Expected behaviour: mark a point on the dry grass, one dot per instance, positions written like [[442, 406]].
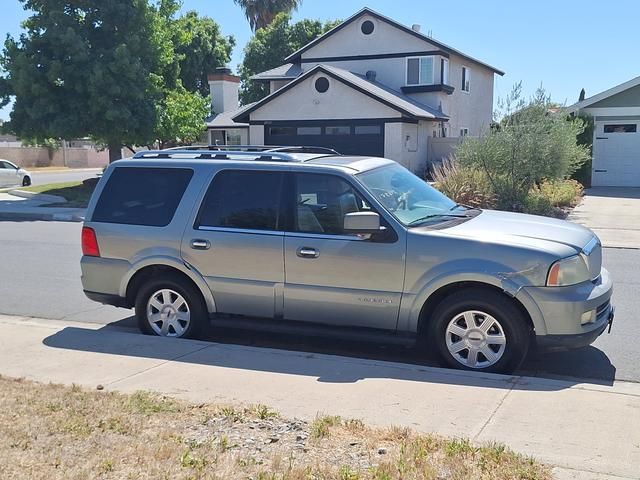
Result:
[[54, 432]]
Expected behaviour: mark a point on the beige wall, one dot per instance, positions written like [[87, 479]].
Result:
[[40, 157], [303, 102]]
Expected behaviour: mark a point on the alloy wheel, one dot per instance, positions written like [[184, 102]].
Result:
[[168, 313], [475, 339]]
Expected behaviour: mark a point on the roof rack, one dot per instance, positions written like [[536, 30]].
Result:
[[262, 148], [218, 155]]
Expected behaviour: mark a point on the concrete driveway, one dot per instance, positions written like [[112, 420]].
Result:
[[613, 213]]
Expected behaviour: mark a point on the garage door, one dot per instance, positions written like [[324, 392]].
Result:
[[616, 154], [349, 138]]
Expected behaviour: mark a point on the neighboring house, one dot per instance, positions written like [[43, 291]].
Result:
[[369, 86], [616, 137]]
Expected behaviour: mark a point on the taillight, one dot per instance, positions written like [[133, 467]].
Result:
[[90, 242]]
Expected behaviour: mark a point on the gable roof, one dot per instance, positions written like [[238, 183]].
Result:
[[389, 97], [634, 82], [283, 72], [295, 56]]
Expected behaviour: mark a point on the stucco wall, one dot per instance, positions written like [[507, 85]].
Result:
[[40, 157], [303, 102], [351, 41], [407, 144], [256, 135]]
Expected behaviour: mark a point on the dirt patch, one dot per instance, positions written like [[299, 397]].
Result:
[[55, 432]]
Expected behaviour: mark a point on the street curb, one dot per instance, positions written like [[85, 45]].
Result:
[[37, 196], [48, 217]]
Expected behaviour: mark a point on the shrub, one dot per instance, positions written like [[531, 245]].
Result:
[[467, 186], [565, 193], [532, 142]]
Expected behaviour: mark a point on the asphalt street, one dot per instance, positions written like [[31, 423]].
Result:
[[45, 177], [39, 267]]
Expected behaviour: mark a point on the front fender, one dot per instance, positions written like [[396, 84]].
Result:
[[173, 263], [461, 270]]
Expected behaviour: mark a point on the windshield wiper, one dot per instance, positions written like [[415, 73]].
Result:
[[433, 215], [460, 205]]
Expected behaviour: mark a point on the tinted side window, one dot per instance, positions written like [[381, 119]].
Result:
[[322, 201], [242, 199], [142, 196]]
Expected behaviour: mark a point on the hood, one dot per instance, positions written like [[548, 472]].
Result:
[[549, 234]]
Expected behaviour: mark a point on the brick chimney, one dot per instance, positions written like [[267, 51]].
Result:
[[224, 90]]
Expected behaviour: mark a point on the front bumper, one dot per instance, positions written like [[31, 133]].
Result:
[[558, 311]]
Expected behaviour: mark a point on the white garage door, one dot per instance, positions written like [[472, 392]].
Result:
[[616, 154]]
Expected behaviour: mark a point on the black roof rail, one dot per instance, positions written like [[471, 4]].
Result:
[[262, 148], [219, 155]]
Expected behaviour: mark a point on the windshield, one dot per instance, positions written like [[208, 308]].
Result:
[[409, 198]]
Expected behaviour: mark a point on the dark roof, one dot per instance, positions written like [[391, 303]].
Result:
[[225, 119], [288, 70], [391, 98], [295, 56]]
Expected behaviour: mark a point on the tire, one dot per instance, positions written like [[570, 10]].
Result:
[[26, 181], [499, 340], [168, 292]]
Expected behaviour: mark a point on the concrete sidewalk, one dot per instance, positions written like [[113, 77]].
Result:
[[588, 431], [18, 208], [613, 213]]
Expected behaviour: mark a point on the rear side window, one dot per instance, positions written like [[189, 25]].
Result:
[[242, 199], [142, 196]]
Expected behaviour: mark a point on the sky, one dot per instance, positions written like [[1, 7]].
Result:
[[563, 45]]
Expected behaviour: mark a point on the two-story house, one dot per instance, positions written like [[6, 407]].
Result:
[[369, 86]]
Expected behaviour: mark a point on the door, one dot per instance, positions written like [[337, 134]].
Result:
[[7, 172], [349, 137], [332, 277], [236, 242], [616, 154]]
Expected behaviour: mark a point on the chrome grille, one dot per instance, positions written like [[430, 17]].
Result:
[[592, 254]]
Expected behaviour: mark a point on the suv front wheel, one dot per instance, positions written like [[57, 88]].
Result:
[[480, 330], [170, 307]]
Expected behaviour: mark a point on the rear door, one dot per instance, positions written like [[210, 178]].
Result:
[[236, 242], [333, 277]]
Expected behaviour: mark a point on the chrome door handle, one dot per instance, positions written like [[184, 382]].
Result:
[[307, 252], [199, 244]]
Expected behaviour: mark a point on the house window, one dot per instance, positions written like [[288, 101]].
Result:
[[234, 137], [464, 132], [420, 71], [367, 129], [322, 84], [338, 130], [309, 130], [621, 128], [275, 131], [466, 84], [444, 71]]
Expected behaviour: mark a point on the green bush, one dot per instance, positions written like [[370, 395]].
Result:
[[532, 142], [565, 193]]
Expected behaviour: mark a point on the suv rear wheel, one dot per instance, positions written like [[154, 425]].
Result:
[[170, 307], [480, 330]]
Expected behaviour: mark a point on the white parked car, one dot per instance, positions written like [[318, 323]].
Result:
[[11, 175]]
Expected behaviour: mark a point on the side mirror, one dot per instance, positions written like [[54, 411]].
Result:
[[362, 222]]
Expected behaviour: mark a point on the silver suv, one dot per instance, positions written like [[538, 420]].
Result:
[[187, 235]]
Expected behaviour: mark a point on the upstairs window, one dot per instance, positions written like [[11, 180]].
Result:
[[420, 71], [444, 71], [466, 84]]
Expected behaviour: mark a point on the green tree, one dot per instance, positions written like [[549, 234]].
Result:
[[531, 143], [270, 46], [86, 69], [261, 13], [180, 117]]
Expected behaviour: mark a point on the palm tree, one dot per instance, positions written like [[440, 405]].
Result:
[[261, 13]]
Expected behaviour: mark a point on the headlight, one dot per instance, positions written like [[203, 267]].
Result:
[[568, 271]]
